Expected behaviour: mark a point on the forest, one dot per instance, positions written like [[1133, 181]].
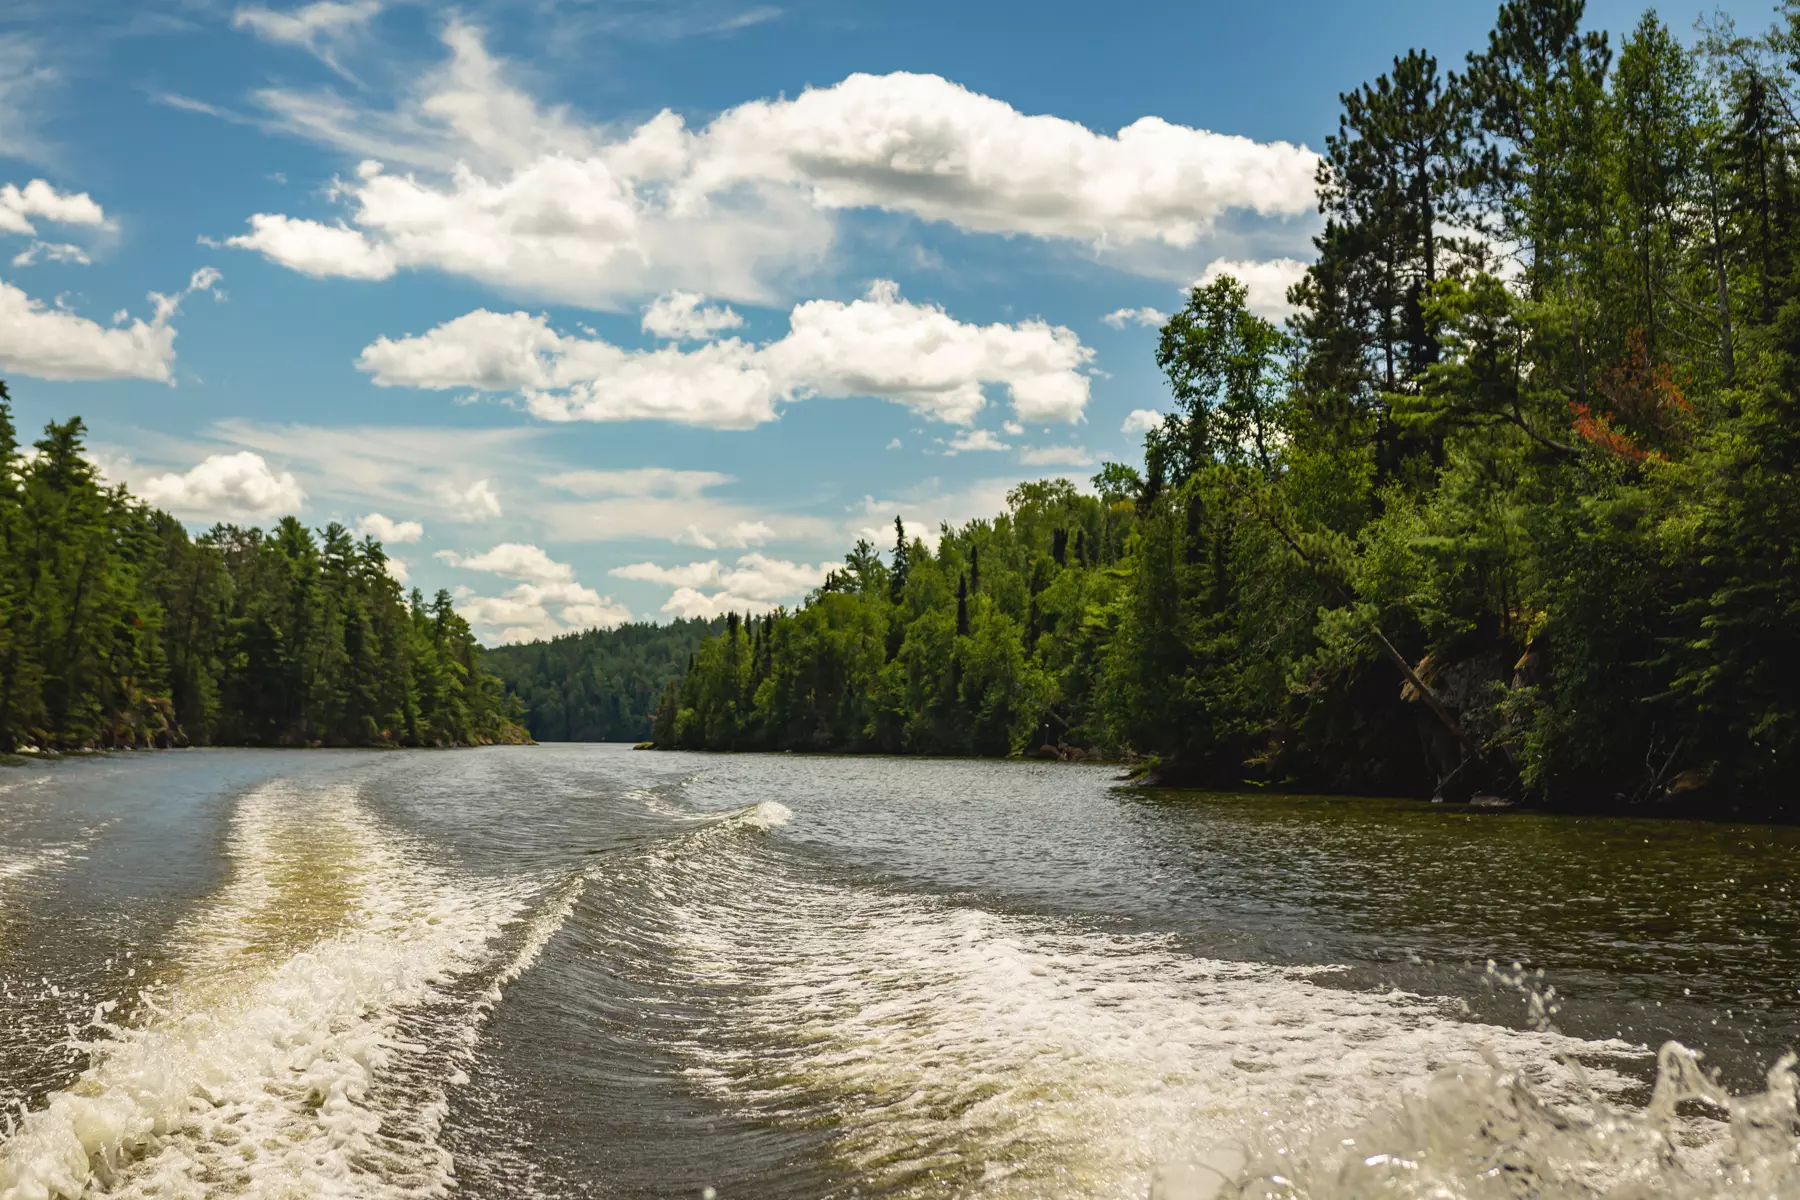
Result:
[[1509, 506], [118, 629], [600, 685]]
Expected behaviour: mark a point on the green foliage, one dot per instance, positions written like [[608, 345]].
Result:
[[600, 685], [1512, 504], [118, 629]]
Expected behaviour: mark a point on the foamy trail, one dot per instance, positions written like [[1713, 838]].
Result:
[[954, 1050], [335, 959]]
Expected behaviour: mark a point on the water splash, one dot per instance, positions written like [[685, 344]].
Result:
[[770, 814], [336, 959], [1487, 1133]]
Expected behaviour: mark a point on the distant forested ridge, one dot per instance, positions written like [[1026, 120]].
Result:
[[1511, 504], [117, 629], [601, 685]]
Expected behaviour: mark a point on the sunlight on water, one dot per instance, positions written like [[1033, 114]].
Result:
[[332, 956]]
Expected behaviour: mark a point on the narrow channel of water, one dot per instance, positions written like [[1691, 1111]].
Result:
[[568, 971]]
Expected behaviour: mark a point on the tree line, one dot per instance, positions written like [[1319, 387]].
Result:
[[118, 629], [1511, 504], [599, 685]]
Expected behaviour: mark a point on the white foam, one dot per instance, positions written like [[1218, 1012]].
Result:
[[959, 1051], [328, 960], [770, 814]]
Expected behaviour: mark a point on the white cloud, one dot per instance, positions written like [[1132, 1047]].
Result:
[[681, 316], [975, 439], [389, 531], [1013, 428], [524, 611], [755, 577], [1141, 420], [53, 343], [1266, 282], [1056, 456], [51, 252], [880, 345], [361, 468], [227, 487], [398, 570], [39, 199], [314, 249], [1149, 318], [923, 145], [317, 28], [690, 602], [535, 201], [476, 502], [429, 471], [749, 533], [699, 574], [514, 560]]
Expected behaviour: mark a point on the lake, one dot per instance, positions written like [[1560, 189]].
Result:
[[574, 970]]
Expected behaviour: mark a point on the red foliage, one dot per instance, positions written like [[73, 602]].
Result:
[[1597, 430], [1643, 402]]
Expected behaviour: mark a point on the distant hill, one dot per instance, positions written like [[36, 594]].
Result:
[[601, 685]]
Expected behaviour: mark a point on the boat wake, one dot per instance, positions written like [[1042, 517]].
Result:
[[950, 1049], [304, 1043]]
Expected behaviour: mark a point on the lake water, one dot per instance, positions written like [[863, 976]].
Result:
[[565, 971]]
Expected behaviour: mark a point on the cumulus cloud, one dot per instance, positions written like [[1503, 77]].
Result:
[[880, 345], [1149, 318], [389, 531], [1056, 456], [524, 611], [975, 439], [691, 602], [50, 342], [1141, 420], [755, 578], [533, 200], [476, 502], [682, 316], [923, 145], [740, 534], [398, 571], [513, 560], [1266, 282], [227, 487], [39, 199], [315, 249]]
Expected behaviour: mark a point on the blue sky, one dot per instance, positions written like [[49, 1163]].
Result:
[[594, 309]]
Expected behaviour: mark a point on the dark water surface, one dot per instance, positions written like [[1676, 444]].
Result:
[[579, 971]]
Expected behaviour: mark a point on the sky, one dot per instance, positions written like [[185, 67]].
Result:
[[607, 310]]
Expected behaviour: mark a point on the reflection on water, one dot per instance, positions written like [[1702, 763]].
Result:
[[566, 971]]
